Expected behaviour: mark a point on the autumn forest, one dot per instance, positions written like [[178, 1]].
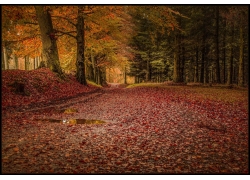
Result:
[[121, 89], [206, 44]]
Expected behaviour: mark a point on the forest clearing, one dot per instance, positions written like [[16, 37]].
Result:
[[122, 89]]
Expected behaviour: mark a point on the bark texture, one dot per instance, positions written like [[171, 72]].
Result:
[[80, 66], [230, 64], [176, 75], [50, 51], [240, 76]]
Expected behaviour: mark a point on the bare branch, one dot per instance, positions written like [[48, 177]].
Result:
[[65, 33], [69, 21]]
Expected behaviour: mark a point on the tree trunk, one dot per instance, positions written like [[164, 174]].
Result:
[[80, 66], [90, 72], [176, 75], [218, 80], [41, 63], [26, 59], [182, 65], [37, 62], [125, 75], [235, 74], [196, 75], [103, 77], [50, 51], [98, 81], [16, 61], [97, 75], [34, 63], [93, 64], [202, 60], [6, 61], [241, 64], [2, 56], [224, 57], [206, 65], [148, 74], [230, 64]]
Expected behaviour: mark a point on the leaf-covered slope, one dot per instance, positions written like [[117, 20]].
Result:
[[40, 85]]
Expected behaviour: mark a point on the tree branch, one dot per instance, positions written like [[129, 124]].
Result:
[[26, 22], [65, 19], [23, 39], [65, 33]]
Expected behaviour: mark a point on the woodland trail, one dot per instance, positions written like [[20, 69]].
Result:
[[114, 85], [147, 131]]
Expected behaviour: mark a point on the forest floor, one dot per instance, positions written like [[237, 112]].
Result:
[[153, 129]]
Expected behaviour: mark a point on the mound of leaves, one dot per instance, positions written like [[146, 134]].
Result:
[[20, 87]]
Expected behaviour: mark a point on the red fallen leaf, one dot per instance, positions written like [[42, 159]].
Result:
[[82, 161], [118, 163], [82, 143], [4, 160], [125, 165], [67, 155], [178, 169], [246, 171]]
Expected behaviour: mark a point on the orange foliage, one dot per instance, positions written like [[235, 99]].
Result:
[[20, 30], [108, 30]]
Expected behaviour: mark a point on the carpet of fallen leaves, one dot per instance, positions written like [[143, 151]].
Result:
[[148, 130], [41, 85]]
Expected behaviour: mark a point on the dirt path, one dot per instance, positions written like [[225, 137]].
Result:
[[146, 131], [114, 85]]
